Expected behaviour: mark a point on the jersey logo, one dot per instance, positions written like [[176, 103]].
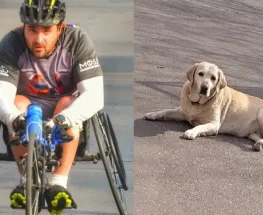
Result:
[[37, 85], [89, 64], [4, 71]]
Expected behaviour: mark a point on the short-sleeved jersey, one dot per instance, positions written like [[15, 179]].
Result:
[[48, 79]]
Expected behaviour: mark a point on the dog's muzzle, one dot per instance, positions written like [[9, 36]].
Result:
[[203, 90]]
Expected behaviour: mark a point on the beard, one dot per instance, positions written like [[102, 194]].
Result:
[[41, 50]]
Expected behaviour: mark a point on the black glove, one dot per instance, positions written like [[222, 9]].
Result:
[[60, 135], [61, 129], [19, 123], [59, 132]]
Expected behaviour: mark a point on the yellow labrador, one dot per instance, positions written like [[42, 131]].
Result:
[[212, 107]]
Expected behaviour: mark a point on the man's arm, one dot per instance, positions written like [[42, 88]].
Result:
[[8, 81], [88, 76], [89, 102], [8, 110]]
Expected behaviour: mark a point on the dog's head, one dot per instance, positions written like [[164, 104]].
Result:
[[206, 80]]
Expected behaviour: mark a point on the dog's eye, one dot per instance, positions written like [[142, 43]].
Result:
[[201, 74], [213, 78]]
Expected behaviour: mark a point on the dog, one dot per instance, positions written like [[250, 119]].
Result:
[[212, 107]]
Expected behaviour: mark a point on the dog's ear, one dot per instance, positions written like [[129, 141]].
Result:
[[190, 74], [222, 79]]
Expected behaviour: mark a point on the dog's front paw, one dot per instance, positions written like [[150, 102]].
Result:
[[190, 134], [258, 146], [153, 116]]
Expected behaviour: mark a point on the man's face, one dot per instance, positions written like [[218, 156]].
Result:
[[41, 40]]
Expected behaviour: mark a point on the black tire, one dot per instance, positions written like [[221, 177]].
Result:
[[110, 166], [115, 149], [84, 139], [32, 176]]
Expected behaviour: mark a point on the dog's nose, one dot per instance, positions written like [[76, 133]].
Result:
[[203, 90]]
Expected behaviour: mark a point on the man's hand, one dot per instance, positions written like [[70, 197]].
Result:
[[62, 121], [60, 135], [59, 131], [19, 123]]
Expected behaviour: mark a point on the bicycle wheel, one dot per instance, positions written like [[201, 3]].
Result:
[[33, 181], [110, 166], [111, 137]]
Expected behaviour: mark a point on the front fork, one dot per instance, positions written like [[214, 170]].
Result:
[[46, 162]]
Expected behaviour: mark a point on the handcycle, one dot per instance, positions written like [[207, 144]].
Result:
[[43, 156]]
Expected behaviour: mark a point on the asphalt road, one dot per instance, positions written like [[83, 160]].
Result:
[[110, 25], [209, 175]]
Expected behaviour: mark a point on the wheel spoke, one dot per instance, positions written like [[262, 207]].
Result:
[[36, 183], [33, 182]]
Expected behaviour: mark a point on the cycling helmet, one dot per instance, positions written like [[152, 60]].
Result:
[[43, 12]]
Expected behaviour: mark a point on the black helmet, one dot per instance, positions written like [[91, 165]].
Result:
[[43, 12]]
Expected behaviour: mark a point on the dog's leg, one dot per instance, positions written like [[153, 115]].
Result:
[[166, 114], [258, 141], [208, 129]]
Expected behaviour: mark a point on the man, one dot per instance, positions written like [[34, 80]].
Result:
[[45, 61]]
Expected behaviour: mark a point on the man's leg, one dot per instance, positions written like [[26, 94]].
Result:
[[57, 195], [21, 103], [17, 196], [68, 149]]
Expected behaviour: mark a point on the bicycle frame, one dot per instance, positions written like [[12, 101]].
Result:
[[43, 152]]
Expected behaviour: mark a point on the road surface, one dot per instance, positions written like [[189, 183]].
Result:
[[210, 175]]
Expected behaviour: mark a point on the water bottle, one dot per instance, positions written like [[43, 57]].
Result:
[[34, 121]]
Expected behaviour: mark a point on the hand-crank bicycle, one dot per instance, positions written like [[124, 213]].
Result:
[[43, 155]]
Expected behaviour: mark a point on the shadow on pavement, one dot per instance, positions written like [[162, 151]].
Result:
[[146, 128]]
